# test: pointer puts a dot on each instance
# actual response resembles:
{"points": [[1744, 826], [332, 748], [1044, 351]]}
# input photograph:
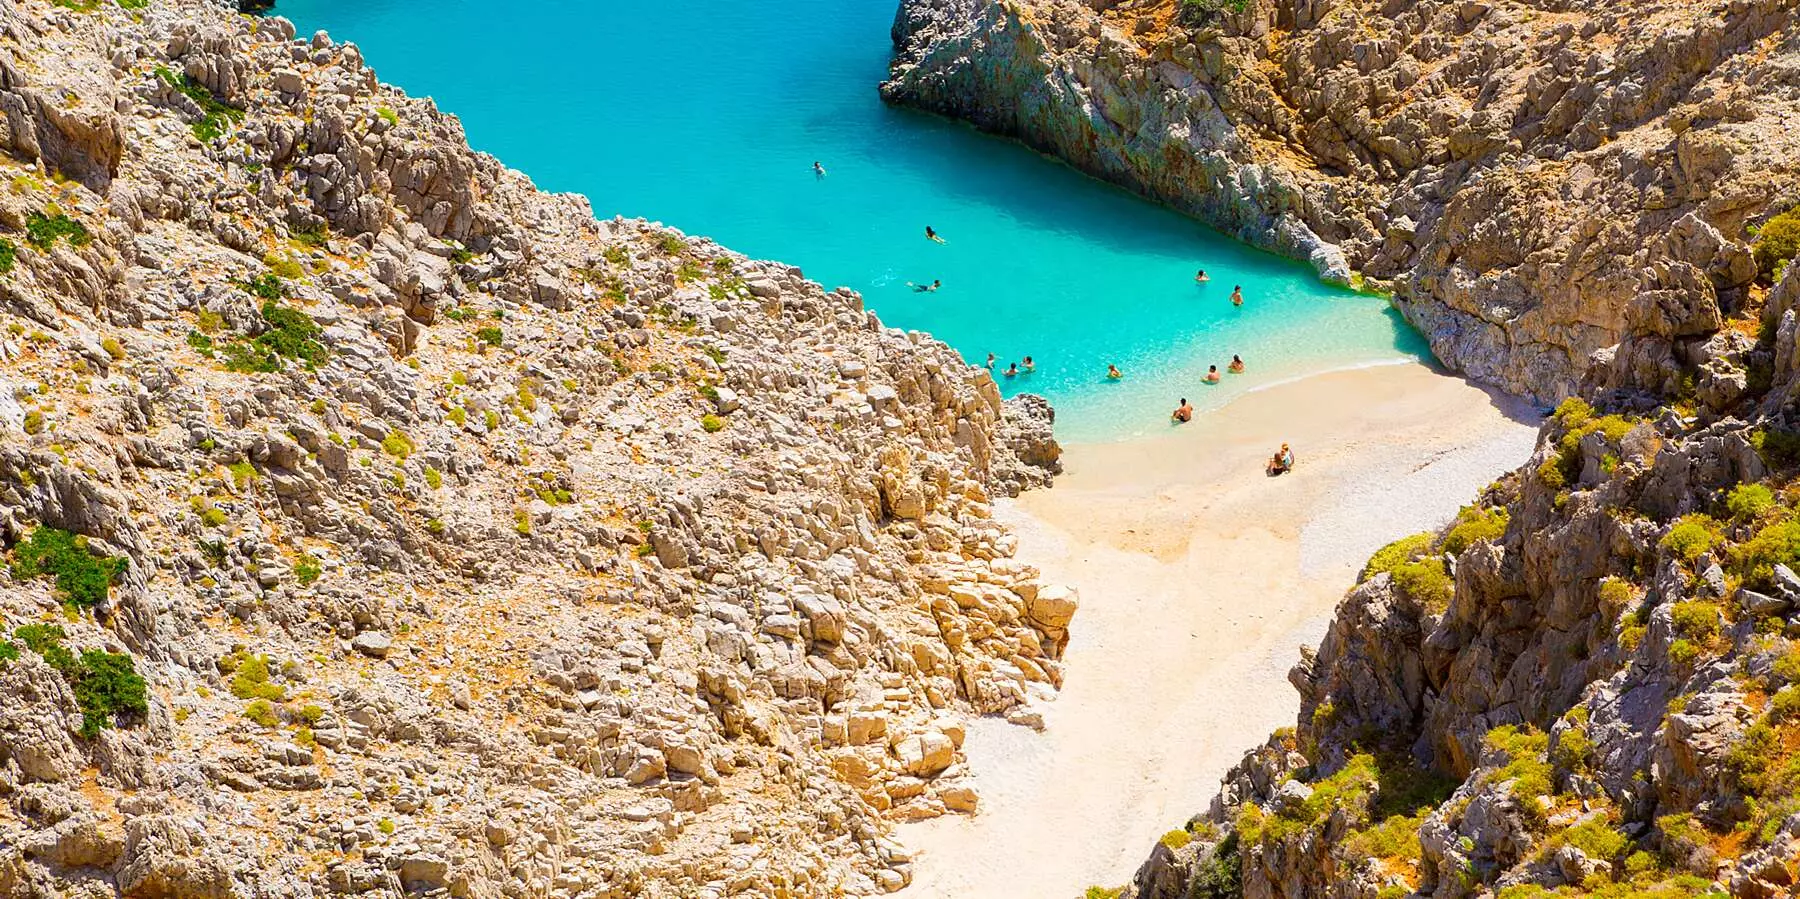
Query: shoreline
{"points": [[1199, 577]]}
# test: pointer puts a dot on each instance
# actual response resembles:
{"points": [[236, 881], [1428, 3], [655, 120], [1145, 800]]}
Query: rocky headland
{"points": [[1533, 181], [378, 524]]}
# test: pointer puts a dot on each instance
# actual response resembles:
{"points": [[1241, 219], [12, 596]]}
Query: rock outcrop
{"points": [[1534, 181], [1589, 684], [381, 525]]}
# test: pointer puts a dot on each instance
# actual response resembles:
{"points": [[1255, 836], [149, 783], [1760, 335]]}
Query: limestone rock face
{"points": [[466, 545], [1534, 184]]}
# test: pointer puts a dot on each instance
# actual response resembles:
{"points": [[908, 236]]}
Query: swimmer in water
{"points": [[1030, 366], [925, 288], [1237, 365], [818, 170], [1212, 374], [1237, 296], [1200, 277], [990, 362], [1183, 413], [932, 235], [1113, 373], [1012, 370]]}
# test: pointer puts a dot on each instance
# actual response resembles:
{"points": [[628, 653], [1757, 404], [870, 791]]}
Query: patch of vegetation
{"points": [[1176, 839], [307, 572], [1692, 535], [1778, 449], [312, 237], [262, 712], [1777, 242], [1475, 525], [388, 115], [250, 677], [42, 230], [82, 578], [216, 116], [1427, 582], [1695, 619], [33, 422], [712, 423], [9, 653], [1219, 876], [433, 478], [1395, 554], [1775, 543], [243, 474], [291, 335], [1526, 766], [106, 684], [1748, 502], [9, 255], [397, 445], [1202, 12], [672, 245], [490, 335]]}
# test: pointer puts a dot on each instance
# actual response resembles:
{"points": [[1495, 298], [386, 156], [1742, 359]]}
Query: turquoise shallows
{"points": [[708, 116]]}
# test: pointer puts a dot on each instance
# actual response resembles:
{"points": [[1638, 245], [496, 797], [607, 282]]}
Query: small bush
{"points": [[262, 712], [1784, 706], [1778, 449], [9, 255], [307, 573], [34, 422], [243, 474], [1427, 583], [216, 116], [1202, 12], [1683, 652], [1787, 668], [107, 685], [1176, 839], [9, 652], [113, 348], [82, 578], [1473, 526], [1690, 536], [1748, 502], [712, 423], [43, 231], [251, 680], [1777, 242], [388, 115], [1393, 555], [397, 445], [1695, 620], [433, 478], [1776, 543], [490, 335], [1597, 841], [1615, 594]]}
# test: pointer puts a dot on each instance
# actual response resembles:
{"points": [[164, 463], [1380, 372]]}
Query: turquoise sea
{"points": [[708, 116]]}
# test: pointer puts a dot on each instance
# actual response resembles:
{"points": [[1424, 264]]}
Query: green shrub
{"points": [[712, 423], [9, 255], [1426, 582], [1778, 449], [9, 652], [1526, 766], [1395, 837], [307, 573], [388, 115], [1787, 668], [82, 578], [1776, 543], [250, 680], [1393, 555], [113, 348], [1475, 525], [397, 445], [1690, 536], [1777, 242], [1573, 750], [1784, 706], [1615, 594], [1683, 652], [216, 116], [291, 334], [1176, 839], [1201, 12], [107, 685], [312, 238], [490, 335], [433, 478], [43, 231], [1748, 502], [1219, 875], [1695, 619], [34, 422], [262, 712], [1597, 841]]}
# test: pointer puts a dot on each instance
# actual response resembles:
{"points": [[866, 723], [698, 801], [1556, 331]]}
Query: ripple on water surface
{"points": [[708, 116]]}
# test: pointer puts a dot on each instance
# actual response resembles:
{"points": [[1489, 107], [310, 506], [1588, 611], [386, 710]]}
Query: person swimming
{"points": [[1183, 413], [1282, 462], [925, 288], [1112, 372], [1200, 277], [990, 362], [1237, 296], [932, 235], [1237, 365], [1212, 374], [1030, 366], [1011, 370], [818, 170]]}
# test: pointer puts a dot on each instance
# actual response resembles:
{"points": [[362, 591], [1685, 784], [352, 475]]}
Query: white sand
{"points": [[1199, 578]]}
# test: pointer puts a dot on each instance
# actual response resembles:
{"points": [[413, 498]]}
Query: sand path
{"points": [[1199, 579]]}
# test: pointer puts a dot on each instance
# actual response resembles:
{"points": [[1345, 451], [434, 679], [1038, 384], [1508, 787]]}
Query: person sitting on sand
{"points": [[1030, 366], [1113, 373], [1200, 277], [1237, 296], [1183, 413], [932, 235], [1212, 374], [1282, 462], [990, 362], [1237, 365], [1012, 371], [926, 288]]}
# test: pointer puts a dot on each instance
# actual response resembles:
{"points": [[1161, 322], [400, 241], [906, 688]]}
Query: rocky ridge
{"points": [[1534, 180], [1588, 685], [379, 524]]}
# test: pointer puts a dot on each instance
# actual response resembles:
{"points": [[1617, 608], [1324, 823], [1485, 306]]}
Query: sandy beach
{"points": [[1200, 577]]}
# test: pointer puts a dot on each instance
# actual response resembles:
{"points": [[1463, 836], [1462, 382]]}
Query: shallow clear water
{"points": [[708, 116]]}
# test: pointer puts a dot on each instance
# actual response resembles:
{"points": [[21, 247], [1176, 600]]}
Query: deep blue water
{"points": [[708, 115]]}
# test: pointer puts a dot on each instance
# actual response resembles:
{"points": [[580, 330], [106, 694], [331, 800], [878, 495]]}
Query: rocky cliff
{"points": [[377, 524], [1535, 180], [1588, 685]]}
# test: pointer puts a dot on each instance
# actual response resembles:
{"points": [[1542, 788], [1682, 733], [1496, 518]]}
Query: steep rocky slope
{"points": [[378, 524], [1589, 684], [1533, 179]]}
